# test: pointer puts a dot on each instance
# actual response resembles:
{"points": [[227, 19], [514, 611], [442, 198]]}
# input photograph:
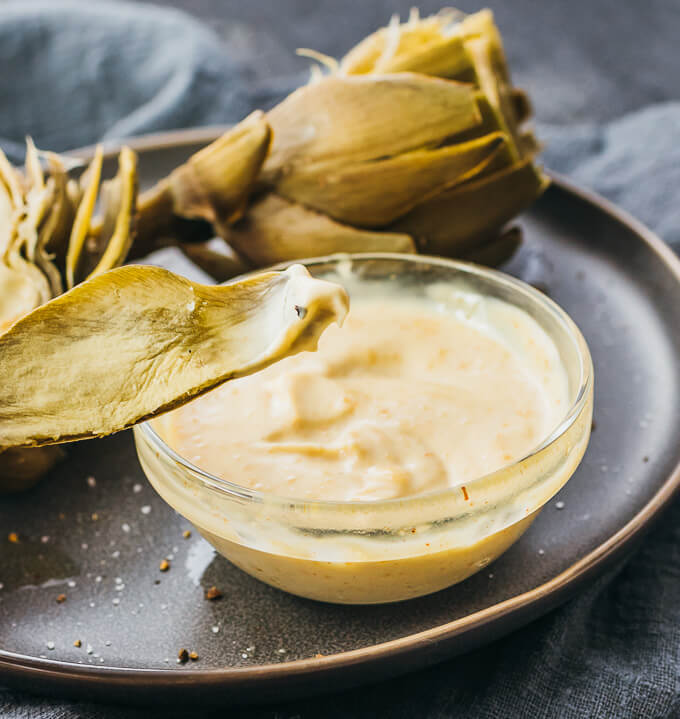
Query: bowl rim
{"points": [[515, 285]]}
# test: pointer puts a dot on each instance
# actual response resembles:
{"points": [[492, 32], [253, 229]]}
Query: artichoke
{"points": [[414, 141], [46, 244]]}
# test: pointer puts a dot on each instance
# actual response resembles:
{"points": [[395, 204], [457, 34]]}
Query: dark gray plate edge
{"points": [[338, 671]]}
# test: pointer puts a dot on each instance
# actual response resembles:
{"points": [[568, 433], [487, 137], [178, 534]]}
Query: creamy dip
{"points": [[411, 395]]}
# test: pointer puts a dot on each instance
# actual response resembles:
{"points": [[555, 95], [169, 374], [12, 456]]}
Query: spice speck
{"points": [[213, 593], [164, 565]]}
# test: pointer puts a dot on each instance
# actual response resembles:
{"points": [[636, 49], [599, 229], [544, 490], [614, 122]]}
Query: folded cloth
{"points": [[633, 161], [74, 73]]}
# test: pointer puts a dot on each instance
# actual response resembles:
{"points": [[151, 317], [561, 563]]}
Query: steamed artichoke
{"points": [[46, 243], [414, 141]]}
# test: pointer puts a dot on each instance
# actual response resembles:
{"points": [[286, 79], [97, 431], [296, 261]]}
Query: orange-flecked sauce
{"points": [[409, 396]]}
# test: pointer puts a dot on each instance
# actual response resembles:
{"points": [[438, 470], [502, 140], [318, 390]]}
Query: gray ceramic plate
{"points": [[99, 541]]}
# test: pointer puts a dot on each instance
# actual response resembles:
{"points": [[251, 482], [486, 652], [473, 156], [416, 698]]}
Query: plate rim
{"points": [[405, 649]]}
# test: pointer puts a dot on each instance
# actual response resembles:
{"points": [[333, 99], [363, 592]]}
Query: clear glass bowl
{"points": [[385, 551]]}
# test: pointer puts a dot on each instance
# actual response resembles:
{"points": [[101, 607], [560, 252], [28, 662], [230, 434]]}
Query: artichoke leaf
{"points": [[38, 220], [445, 57], [31, 274], [11, 179], [19, 294], [63, 210], [373, 194], [521, 104], [81, 224], [22, 286], [7, 218], [459, 219], [343, 120], [213, 185], [132, 343], [497, 250], [275, 230], [215, 257], [485, 46], [432, 46], [119, 196]]}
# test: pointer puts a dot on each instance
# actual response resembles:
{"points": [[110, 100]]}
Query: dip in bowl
{"points": [[409, 452]]}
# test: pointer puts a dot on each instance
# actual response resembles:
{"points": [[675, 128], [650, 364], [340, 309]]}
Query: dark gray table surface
{"points": [[584, 62]]}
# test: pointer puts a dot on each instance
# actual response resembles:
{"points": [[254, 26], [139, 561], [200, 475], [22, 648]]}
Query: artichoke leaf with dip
{"points": [[135, 342]]}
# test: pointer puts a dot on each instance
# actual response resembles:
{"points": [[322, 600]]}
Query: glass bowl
{"points": [[388, 550]]}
